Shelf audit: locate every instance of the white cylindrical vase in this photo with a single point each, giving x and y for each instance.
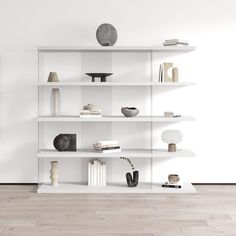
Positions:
(55, 102)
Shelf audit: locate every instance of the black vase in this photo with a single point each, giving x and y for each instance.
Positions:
(132, 181)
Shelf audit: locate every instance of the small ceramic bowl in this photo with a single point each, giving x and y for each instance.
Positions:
(130, 111)
(173, 178)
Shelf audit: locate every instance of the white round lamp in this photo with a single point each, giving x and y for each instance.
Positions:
(172, 137)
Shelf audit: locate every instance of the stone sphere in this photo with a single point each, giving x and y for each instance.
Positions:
(106, 35)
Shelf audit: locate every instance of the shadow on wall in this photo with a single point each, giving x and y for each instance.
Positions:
(56, 36)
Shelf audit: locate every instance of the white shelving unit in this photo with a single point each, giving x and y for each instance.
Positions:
(140, 153)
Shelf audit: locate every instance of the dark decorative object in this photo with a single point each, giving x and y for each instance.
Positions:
(130, 111)
(65, 142)
(106, 35)
(132, 181)
(103, 76)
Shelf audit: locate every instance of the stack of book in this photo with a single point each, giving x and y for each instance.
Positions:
(89, 111)
(107, 146)
(175, 42)
(96, 173)
(89, 114)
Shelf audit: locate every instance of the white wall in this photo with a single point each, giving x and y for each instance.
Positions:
(209, 25)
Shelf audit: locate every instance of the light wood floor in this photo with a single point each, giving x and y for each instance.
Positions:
(212, 211)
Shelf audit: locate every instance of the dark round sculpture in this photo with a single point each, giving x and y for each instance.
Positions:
(106, 35)
(65, 142)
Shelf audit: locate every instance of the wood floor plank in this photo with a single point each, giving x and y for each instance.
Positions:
(211, 211)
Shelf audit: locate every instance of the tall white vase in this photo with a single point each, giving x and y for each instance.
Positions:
(55, 102)
(54, 173)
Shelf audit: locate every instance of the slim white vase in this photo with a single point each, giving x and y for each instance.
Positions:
(55, 102)
(54, 173)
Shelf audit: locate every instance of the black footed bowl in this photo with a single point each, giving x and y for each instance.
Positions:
(102, 76)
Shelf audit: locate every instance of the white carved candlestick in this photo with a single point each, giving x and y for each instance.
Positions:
(55, 102)
(54, 173)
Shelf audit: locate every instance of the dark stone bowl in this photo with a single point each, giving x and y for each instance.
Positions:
(130, 111)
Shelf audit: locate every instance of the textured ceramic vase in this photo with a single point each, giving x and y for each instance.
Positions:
(106, 35)
(173, 178)
(55, 102)
(54, 173)
(129, 111)
(53, 77)
(132, 181)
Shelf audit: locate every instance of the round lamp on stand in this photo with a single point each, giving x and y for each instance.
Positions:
(172, 137)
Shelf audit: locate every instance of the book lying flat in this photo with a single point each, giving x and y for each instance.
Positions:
(106, 148)
(175, 44)
(169, 185)
(109, 151)
(90, 116)
(176, 41)
(107, 142)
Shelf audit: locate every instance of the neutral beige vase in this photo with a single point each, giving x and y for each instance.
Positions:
(53, 77)
(166, 68)
(55, 102)
(54, 173)
(175, 74)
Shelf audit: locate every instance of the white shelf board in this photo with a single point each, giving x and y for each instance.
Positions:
(114, 119)
(136, 153)
(114, 188)
(118, 49)
(102, 84)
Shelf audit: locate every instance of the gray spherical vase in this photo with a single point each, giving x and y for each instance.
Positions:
(106, 35)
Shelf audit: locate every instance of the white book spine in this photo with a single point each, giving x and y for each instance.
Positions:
(107, 142)
(95, 172)
(99, 174)
(110, 151)
(89, 174)
(104, 174)
(101, 180)
(92, 174)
